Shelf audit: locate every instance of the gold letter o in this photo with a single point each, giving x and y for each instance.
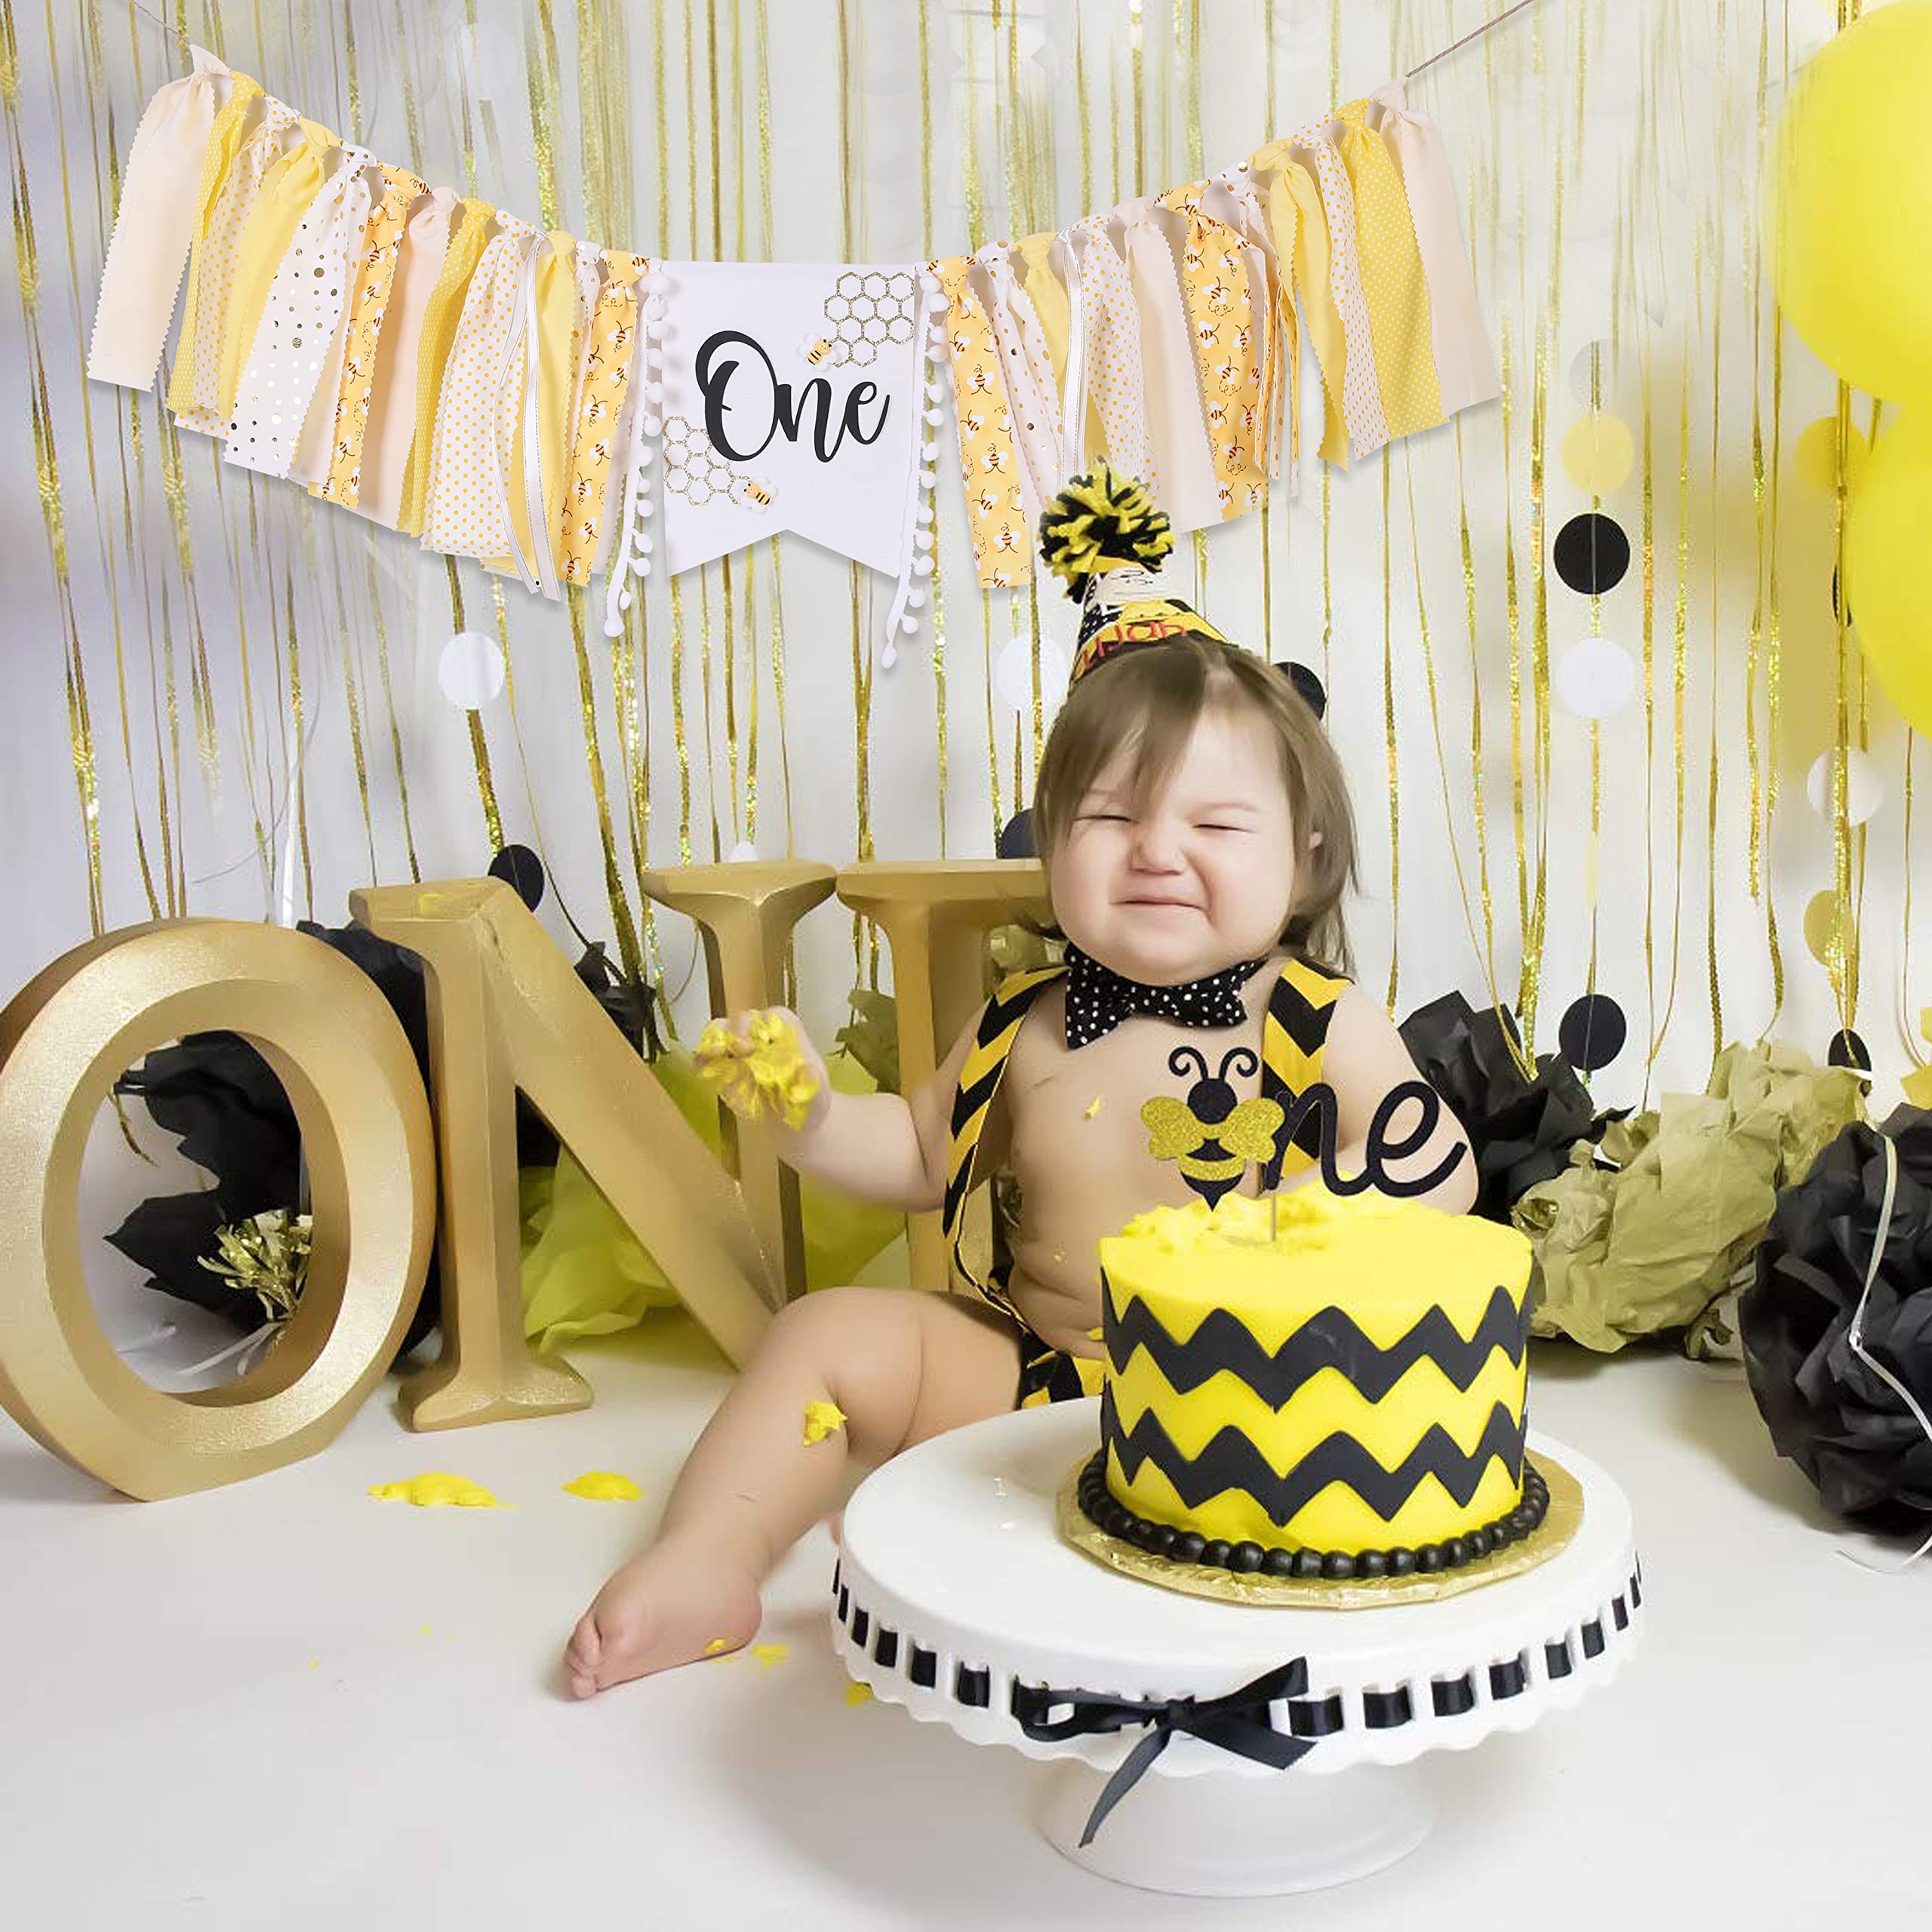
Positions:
(344, 1061)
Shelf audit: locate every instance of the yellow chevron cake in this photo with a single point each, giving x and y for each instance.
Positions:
(1340, 1393)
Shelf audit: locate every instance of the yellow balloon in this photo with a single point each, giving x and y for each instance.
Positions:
(1888, 579)
(1853, 204)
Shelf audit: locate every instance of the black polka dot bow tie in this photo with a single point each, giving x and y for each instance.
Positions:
(1098, 998)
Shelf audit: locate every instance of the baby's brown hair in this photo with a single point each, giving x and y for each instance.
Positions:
(1148, 699)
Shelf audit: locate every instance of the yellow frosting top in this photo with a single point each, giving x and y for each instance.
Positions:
(1384, 1260)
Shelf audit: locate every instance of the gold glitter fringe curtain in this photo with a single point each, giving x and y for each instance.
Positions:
(1600, 777)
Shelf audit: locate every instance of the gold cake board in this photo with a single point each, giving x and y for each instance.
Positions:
(1554, 1534)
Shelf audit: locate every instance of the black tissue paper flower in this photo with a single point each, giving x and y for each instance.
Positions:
(1521, 1130)
(1839, 1421)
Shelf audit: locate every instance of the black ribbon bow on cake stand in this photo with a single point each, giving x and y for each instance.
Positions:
(1236, 1721)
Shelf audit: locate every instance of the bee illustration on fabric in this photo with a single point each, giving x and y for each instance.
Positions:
(1243, 338)
(1234, 455)
(1208, 334)
(600, 452)
(1226, 495)
(586, 531)
(592, 363)
(1217, 415)
(973, 421)
(962, 343)
(1247, 415)
(1226, 375)
(980, 379)
(1230, 260)
(986, 502)
(1006, 538)
(620, 337)
(596, 410)
(1190, 257)
(1218, 295)
(1210, 1135)
(995, 459)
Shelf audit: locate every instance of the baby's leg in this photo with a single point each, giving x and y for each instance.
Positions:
(901, 1363)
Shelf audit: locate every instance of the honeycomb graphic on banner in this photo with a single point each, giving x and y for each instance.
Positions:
(694, 470)
(866, 311)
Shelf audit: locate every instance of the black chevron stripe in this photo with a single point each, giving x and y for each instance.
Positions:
(1328, 1339)
(1303, 1021)
(1231, 1462)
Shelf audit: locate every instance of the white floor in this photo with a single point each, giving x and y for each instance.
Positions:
(286, 1705)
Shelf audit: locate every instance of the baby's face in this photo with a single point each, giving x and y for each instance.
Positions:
(1202, 877)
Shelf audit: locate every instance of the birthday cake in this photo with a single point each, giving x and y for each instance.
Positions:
(1330, 1387)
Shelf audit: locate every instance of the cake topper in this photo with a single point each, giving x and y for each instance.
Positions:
(1211, 1137)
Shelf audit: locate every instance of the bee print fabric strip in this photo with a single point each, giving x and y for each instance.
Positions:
(368, 310)
(1217, 289)
(606, 374)
(996, 511)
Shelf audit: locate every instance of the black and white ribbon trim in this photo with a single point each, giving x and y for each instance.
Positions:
(1293, 1713)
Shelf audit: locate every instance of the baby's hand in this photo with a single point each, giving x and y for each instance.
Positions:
(762, 1065)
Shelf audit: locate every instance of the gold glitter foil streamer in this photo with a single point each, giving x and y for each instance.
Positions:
(389, 706)
(1389, 727)
(479, 748)
(1550, 1538)
(622, 923)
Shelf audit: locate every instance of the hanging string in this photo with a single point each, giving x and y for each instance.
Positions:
(176, 32)
(1477, 33)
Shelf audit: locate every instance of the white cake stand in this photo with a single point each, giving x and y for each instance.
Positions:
(953, 1587)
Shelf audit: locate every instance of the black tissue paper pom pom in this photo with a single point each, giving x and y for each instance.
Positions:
(1521, 1130)
(1837, 1419)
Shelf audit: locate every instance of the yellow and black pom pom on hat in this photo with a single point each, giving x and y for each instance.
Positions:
(1102, 524)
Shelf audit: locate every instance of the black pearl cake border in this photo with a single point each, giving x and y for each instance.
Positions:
(1102, 1509)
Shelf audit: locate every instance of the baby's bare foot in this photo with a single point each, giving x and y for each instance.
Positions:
(674, 1603)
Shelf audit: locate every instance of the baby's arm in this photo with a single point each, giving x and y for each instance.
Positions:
(887, 1148)
(1363, 1061)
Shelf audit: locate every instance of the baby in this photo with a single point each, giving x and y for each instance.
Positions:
(1195, 830)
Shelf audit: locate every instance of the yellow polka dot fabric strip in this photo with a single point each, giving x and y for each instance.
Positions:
(224, 143)
(439, 325)
(1393, 280)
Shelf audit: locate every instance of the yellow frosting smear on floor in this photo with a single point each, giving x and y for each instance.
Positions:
(604, 1486)
(437, 1490)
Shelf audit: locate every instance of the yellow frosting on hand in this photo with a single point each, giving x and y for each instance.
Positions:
(821, 1418)
(436, 1489)
(717, 1644)
(763, 1071)
(604, 1486)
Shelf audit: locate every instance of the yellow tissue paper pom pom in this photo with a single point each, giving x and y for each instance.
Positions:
(821, 1418)
(604, 1486)
(436, 1489)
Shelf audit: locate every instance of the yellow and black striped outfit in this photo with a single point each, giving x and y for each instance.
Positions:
(1294, 1035)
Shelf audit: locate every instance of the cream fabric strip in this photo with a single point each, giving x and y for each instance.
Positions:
(1032, 391)
(1112, 371)
(194, 393)
(1187, 489)
(1361, 390)
(392, 424)
(464, 514)
(1464, 368)
(154, 226)
(296, 340)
